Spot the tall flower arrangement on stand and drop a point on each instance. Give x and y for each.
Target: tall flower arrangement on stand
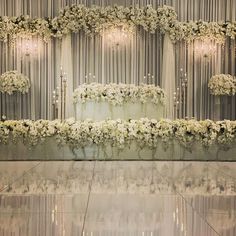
(13, 81)
(222, 84)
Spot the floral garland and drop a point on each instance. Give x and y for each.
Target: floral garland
(25, 27)
(95, 19)
(118, 94)
(222, 85)
(90, 20)
(119, 133)
(13, 81)
(202, 30)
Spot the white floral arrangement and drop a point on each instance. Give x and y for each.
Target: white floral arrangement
(25, 27)
(95, 19)
(118, 94)
(13, 81)
(119, 133)
(89, 19)
(222, 84)
(202, 30)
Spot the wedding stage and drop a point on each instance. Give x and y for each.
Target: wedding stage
(117, 118)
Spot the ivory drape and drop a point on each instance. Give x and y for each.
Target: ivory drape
(168, 75)
(67, 66)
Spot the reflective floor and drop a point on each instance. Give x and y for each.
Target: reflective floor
(118, 198)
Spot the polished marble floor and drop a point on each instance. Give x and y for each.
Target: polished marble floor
(122, 198)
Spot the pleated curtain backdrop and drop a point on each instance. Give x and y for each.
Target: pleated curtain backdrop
(128, 63)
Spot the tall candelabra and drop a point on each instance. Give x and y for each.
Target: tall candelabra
(59, 98)
(55, 102)
(180, 96)
(149, 79)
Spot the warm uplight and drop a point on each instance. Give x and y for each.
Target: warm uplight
(28, 46)
(117, 36)
(205, 48)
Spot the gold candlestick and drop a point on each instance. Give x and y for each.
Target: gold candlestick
(64, 97)
(55, 101)
(180, 96)
(59, 94)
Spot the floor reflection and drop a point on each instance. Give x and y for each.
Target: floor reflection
(117, 198)
(107, 214)
(119, 177)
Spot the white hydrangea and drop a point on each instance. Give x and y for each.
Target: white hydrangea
(13, 81)
(96, 19)
(118, 94)
(120, 133)
(222, 84)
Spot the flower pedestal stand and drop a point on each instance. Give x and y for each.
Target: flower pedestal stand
(217, 105)
(15, 106)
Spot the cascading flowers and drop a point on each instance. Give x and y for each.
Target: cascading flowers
(222, 84)
(96, 19)
(119, 133)
(13, 81)
(91, 20)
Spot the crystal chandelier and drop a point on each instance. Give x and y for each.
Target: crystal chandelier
(205, 48)
(28, 46)
(118, 35)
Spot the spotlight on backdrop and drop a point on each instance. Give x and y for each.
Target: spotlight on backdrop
(205, 48)
(28, 46)
(118, 35)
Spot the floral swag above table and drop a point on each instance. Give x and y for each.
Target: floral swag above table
(118, 94)
(95, 19)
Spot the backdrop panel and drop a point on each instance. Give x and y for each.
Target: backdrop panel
(129, 63)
